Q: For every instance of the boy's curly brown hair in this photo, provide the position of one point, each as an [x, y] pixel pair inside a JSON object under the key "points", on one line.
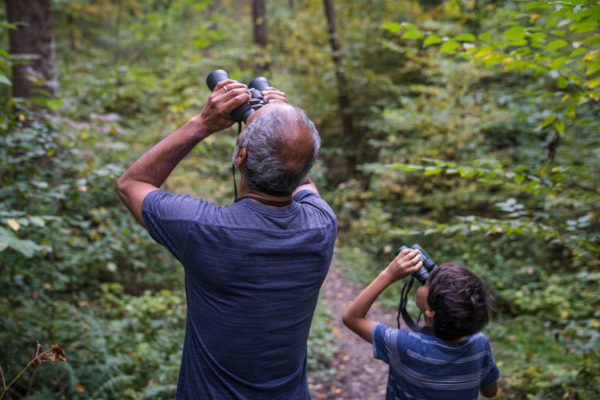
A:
{"points": [[460, 301]]}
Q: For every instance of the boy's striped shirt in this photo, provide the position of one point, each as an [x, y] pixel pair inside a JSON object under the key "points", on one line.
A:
{"points": [[425, 367]]}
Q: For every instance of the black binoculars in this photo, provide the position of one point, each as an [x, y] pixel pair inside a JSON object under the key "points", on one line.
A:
{"points": [[428, 264], [255, 87]]}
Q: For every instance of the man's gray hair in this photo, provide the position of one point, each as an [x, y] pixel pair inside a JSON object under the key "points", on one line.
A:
{"points": [[268, 168]]}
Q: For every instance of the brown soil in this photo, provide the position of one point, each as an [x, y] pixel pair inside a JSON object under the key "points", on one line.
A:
{"points": [[359, 376]]}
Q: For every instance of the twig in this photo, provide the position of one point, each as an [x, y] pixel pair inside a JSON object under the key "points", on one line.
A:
{"points": [[54, 353], [3, 380], [15, 378]]}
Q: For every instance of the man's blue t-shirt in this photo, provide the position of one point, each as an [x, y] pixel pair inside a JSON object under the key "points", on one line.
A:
{"points": [[426, 367], [252, 278]]}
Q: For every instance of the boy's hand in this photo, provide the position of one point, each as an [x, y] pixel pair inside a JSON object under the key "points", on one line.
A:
{"points": [[406, 262]]}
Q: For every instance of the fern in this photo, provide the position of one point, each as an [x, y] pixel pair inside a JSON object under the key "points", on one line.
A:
{"points": [[159, 392], [44, 394], [112, 387]]}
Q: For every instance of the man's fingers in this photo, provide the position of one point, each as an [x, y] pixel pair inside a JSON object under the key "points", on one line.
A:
{"points": [[275, 98], [220, 85], [228, 85], [235, 98], [272, 95]]}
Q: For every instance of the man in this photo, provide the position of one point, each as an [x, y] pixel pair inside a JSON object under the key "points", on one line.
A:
{"points": [[253, 269]]}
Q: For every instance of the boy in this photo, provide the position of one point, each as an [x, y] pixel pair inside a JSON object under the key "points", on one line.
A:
{"points": [[450, 358]]}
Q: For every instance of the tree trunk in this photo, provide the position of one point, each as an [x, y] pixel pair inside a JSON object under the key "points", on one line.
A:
{"points": [[349, 141], [259, 24], [35, 37], [238, 10]]}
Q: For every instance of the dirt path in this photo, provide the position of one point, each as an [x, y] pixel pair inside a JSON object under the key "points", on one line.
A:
{"points": [[360, 376]]}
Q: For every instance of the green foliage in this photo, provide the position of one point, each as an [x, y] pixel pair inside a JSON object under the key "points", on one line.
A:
{"points": [[491, 160], [479, 140], [320, 344]]}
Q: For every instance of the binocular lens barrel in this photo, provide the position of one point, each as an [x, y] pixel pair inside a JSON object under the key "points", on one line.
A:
{"points": [[215, 77], [260, 83]]}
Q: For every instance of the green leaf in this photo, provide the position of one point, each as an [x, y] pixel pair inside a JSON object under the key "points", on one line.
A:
{"points": [[449, 47], [537, 4], [25, 247], [37, 221], [560, 126], [523, 51], [5, 81], [561, 82], [558, 62], [594, 82], [592, 67], [432, 171], [406, 167], [587, 25], [556, 44], [411, 35], [549, 119], [514, 34], [577, 52], [432, 39], [410, 26], [392, 27], [465, 37], [518, 179], [485, 37]]}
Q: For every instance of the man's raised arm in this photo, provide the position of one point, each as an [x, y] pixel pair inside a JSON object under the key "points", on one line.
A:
{"points": [[150, 171], [307, 184]]}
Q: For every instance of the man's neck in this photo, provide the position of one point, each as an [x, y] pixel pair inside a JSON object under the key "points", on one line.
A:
{"points": [[268, 199]]}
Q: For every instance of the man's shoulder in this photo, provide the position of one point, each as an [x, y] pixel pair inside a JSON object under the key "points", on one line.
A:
{"points": [[175, 206], [311, 199]]}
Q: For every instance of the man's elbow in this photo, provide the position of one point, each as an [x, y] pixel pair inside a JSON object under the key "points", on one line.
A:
{"points": [[490, 391], [122, 185]]}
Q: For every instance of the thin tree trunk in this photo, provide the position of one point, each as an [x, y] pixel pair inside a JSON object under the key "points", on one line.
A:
{"points": [[34, 36], [350, 142], [259, 25], [238, 10]]}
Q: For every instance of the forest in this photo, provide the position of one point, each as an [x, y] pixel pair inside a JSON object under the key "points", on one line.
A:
{"points": [[471, 127]]}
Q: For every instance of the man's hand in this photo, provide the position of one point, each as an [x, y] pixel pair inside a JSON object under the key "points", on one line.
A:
{"points": [[406, 262], [273, 95], [225, 97]]}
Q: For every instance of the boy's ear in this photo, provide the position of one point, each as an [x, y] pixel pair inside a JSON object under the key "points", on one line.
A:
{"points": [[429, 313]]}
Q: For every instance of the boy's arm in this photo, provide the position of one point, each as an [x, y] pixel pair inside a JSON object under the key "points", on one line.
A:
{"points": [[490, 391], [407, 262]]}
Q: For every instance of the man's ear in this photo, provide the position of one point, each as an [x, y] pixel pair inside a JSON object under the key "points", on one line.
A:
{"points": [[241, 157], [429, 313]]}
